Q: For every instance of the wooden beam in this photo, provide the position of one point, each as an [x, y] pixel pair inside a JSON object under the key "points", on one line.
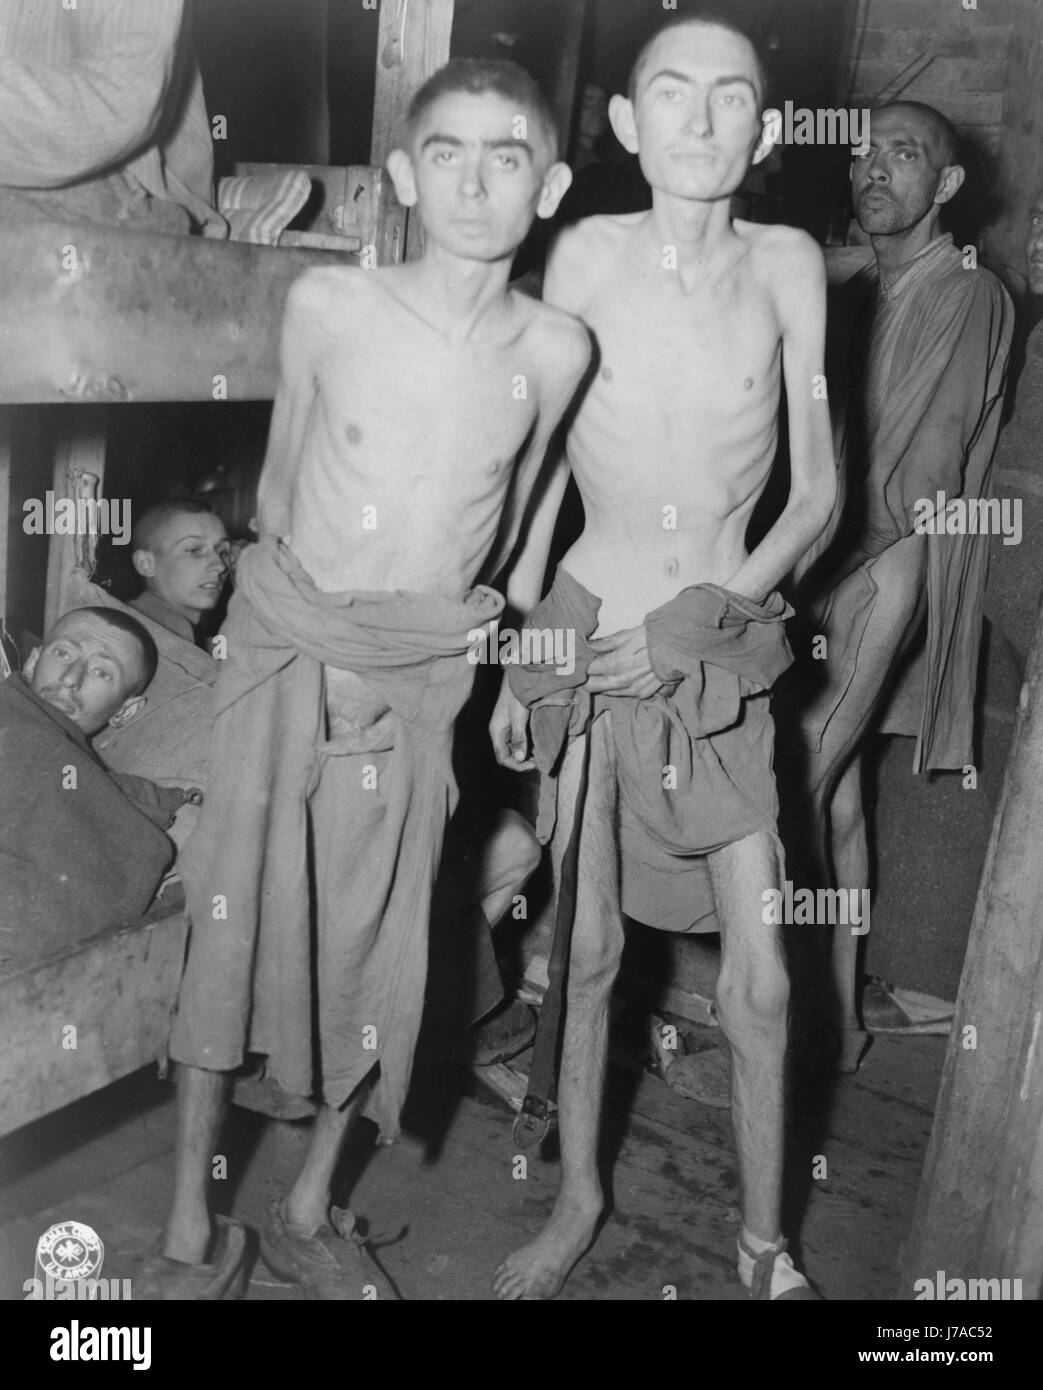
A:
{"points": [[99, 314], [117, 990], [412, 43], [6, 429], [979, 1212], [570, 42]]}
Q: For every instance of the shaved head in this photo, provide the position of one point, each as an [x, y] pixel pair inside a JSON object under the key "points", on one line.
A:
{"points": [[709, 17], [940, 133]]}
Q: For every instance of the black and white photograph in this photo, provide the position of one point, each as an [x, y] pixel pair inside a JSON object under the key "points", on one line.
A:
{"points": [[521, 661]]}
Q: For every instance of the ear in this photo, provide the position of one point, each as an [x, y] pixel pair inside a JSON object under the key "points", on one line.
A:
{"points": [[621, 117], [556, 183], [127, 711], [400, 167], [30, 665], [771, 134], [144, 562], [950, 181]]}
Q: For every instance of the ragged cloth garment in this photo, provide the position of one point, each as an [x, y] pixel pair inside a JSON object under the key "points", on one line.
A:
{"points": [[1016, 570], [711, 727], [309, 876], [928, 366], [81, 848]]}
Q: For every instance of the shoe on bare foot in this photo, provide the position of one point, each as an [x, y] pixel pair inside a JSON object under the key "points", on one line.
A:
{"points": [[771, 1274], [332, 1264], [497, 1038], [539, 1269], [223, 1277]]}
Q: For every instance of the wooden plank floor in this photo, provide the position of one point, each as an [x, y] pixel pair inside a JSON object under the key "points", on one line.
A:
{"points": [[447, 1201]]}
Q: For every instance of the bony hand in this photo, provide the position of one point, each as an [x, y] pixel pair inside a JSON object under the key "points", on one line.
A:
{"points": [[509, 731], [621, 666]]}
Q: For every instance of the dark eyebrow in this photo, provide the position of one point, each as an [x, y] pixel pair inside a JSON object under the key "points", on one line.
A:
{"points": [[736, 77], [509, 145], [437, 139], [670, 72], [457, 144], [724, 81]]}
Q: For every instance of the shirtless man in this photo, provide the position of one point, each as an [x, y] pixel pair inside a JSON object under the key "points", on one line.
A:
{"points": [[697, 320], [414, 408]]}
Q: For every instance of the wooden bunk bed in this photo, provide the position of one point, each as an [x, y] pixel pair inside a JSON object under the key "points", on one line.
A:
{"points": [[133, 317]]}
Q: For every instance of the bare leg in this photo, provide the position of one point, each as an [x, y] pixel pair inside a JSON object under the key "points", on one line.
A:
{"points": [[851, 867], [538, 1270], [511, 857], [836, 792], [752, 1001], [201, 1100], [306, 1205]]}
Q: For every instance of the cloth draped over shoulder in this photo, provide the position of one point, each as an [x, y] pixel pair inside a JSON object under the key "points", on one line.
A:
{"points": [[81, 848], [290, 944], [928, 364], [694, 762]]}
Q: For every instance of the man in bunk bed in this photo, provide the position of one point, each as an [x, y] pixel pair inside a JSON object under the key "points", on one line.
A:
{"points": [[81, 847]]}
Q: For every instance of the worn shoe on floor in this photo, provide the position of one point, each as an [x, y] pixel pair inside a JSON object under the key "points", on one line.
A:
{"points": [[889, 1010], [499, 1038], [265, 1096], [330, 1266], [222, 1278], [763, 1272]]}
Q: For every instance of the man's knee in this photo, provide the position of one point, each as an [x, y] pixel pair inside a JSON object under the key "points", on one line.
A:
{"points": [[594, 961], [753, 1004]]}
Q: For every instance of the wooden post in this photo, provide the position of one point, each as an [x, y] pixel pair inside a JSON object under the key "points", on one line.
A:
{"points": [[6, 427], [412, 43], [979, 1212], [80, 450], [570, 41]]}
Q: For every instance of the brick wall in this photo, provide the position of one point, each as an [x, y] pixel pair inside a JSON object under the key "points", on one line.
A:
{"points": [[969, 51], [986, 75], [1020, 171]]}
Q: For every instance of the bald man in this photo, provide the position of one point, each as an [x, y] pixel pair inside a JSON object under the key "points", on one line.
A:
{"points": [[928, 357]]}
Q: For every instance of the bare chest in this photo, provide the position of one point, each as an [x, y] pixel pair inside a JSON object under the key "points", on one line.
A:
{"points": [[686, 359], [412, 407]]}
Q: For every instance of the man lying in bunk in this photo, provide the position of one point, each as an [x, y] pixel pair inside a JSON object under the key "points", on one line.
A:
{"points": [[407, 397], [81, 847]]}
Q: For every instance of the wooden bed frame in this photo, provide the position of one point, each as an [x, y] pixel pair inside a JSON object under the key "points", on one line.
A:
{"points": [[132, 317]]}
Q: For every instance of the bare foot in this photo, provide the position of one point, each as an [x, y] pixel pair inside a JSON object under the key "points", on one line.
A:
{"points": [[538, 1270], [187, 1241]]}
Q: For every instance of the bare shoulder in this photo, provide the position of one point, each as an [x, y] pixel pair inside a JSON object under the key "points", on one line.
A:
{"points": [[312, 292], [783, 254], [323, 303], [560, 339], [581, 253]]}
